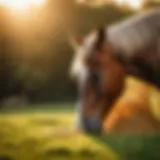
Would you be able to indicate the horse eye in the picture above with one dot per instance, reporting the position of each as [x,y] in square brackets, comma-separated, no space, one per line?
[91,63]
[88,61]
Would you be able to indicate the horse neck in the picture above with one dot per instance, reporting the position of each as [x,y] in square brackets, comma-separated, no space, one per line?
[145,65]
[142,89]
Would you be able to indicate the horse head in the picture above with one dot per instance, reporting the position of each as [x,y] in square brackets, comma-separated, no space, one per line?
[105,56]
[100,77]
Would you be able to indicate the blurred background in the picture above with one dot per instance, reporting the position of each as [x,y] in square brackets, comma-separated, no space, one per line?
[35,53]
[35,57]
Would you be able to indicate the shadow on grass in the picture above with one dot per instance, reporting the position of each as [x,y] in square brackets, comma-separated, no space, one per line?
[133,147]
[44,122]
[5,157]
[87,153]
[67,153]
[58,152]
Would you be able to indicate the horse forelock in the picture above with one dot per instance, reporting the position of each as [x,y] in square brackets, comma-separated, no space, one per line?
[81,53]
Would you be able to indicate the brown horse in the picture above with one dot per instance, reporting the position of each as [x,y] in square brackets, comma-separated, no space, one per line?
[106,56]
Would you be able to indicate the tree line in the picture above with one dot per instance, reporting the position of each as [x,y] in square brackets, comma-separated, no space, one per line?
[35,54]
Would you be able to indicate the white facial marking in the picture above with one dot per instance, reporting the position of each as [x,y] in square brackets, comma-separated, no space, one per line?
[78,67]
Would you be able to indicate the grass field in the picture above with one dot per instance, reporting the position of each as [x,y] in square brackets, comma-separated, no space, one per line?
[48,134]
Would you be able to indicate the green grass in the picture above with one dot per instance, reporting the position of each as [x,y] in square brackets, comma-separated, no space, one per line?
[49,134]
[46,135]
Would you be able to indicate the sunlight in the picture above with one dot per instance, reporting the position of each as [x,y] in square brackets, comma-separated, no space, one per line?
[135,4]
[20,4]
[119,1]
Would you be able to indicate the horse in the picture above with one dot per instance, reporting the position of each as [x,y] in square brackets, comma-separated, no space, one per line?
[136,111]
[106,56]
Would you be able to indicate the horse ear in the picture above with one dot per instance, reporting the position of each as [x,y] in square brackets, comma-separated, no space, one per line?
[101,37]
[76,41]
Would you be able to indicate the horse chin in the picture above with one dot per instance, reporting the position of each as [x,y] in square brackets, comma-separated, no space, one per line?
[91,126]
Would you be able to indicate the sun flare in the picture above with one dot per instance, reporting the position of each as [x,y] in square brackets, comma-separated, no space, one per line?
[20,4]
[135,4]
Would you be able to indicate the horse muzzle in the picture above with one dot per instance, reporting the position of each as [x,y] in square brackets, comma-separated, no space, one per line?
[90,125]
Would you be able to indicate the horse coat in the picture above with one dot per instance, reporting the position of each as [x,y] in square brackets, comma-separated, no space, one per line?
[135,33]
[135,41]
[127,38]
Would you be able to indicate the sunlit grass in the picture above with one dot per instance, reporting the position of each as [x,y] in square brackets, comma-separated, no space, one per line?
[46,136]
[47,132]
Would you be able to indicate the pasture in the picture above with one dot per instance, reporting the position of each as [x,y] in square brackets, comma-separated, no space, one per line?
[48,133]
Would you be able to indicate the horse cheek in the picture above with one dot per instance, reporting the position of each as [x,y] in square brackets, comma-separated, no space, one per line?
[116,78]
